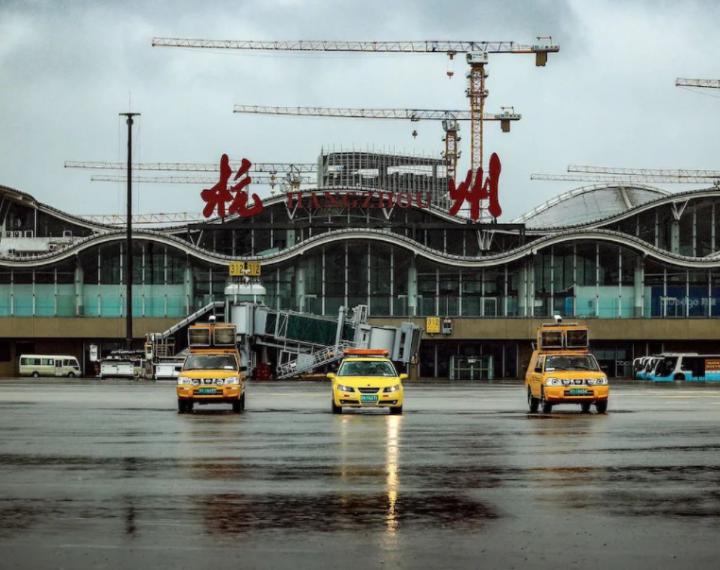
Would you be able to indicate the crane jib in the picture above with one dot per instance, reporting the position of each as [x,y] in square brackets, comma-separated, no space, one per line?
[361,46]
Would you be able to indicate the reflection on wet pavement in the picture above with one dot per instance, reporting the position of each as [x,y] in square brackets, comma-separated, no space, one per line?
[114,467]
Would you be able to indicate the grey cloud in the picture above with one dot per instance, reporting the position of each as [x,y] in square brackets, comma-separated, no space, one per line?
[68,68]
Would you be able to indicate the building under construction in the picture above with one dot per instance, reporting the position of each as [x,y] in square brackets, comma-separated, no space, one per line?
[387,172]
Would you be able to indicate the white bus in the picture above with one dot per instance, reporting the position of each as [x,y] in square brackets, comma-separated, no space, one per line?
[49,365]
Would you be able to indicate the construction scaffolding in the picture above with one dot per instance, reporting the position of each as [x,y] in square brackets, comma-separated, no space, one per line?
[385,172]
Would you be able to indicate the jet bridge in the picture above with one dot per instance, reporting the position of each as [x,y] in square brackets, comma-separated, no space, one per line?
[303,343]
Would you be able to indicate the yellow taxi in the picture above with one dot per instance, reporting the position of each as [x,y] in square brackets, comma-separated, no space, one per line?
[367,378]
[212,372]
[562,370]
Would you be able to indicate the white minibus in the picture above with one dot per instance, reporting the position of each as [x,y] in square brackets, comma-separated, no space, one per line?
[49,365]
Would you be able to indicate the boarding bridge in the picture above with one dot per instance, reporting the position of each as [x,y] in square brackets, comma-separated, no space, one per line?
[300,342]
[305,342]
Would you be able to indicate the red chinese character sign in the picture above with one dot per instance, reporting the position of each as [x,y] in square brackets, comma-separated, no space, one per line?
[474,192]
[225,198]
[217,197]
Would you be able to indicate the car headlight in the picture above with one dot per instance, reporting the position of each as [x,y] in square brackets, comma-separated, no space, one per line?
[232,380]
[601,381]
[567,382]
[344,388]
[219,381]
[553,382]
[196,382]
[394,388]
[184,380]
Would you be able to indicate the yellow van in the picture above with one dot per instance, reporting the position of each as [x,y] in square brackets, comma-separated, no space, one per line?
[48,365]
[563,371]
[212,372]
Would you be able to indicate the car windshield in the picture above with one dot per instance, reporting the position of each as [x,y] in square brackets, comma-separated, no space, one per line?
[367,368]
[582,362]
[210,362]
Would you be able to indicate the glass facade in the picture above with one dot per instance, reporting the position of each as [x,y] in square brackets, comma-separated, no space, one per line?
[580,277]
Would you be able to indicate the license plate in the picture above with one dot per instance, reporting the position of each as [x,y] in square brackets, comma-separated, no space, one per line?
[368,398]
[207,391]
[578,392]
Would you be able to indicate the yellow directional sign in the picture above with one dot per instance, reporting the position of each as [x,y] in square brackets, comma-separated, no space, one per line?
[241,268]
[253,268]
[432,325]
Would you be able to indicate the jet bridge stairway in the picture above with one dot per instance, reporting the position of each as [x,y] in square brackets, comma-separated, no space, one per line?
[305,363]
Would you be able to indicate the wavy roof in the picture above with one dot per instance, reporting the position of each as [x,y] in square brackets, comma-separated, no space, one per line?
[589,204]
[398,240]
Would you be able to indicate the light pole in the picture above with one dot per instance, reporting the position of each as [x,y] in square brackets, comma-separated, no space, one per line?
[128,240]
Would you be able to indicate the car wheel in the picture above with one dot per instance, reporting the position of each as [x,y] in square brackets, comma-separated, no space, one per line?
[35,374]
[181,406]
[533,403]
[335,409]
[71,375]
[585,407]
[601,406]
[679,377]
[396,410]
[546,406]
[239,405]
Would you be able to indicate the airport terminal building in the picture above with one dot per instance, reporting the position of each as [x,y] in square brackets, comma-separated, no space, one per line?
[640,265]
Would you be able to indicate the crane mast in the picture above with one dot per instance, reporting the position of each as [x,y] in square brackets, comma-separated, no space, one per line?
[451,154]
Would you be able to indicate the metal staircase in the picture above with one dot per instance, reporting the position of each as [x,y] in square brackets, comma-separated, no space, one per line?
[190,319]
[307,362]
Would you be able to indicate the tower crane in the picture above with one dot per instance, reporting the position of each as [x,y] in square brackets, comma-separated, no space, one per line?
[705,83]
[476,55]
[625,179]
[271,179]
[270,167]
[449,118]
[149,218]
[656,172]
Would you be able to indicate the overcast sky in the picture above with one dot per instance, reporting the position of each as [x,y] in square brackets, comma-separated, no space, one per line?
[608,98]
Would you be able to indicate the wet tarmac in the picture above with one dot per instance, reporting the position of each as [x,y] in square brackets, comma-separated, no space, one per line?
[108,475]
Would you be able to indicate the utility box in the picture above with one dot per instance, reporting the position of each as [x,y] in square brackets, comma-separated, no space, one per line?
[447,326]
